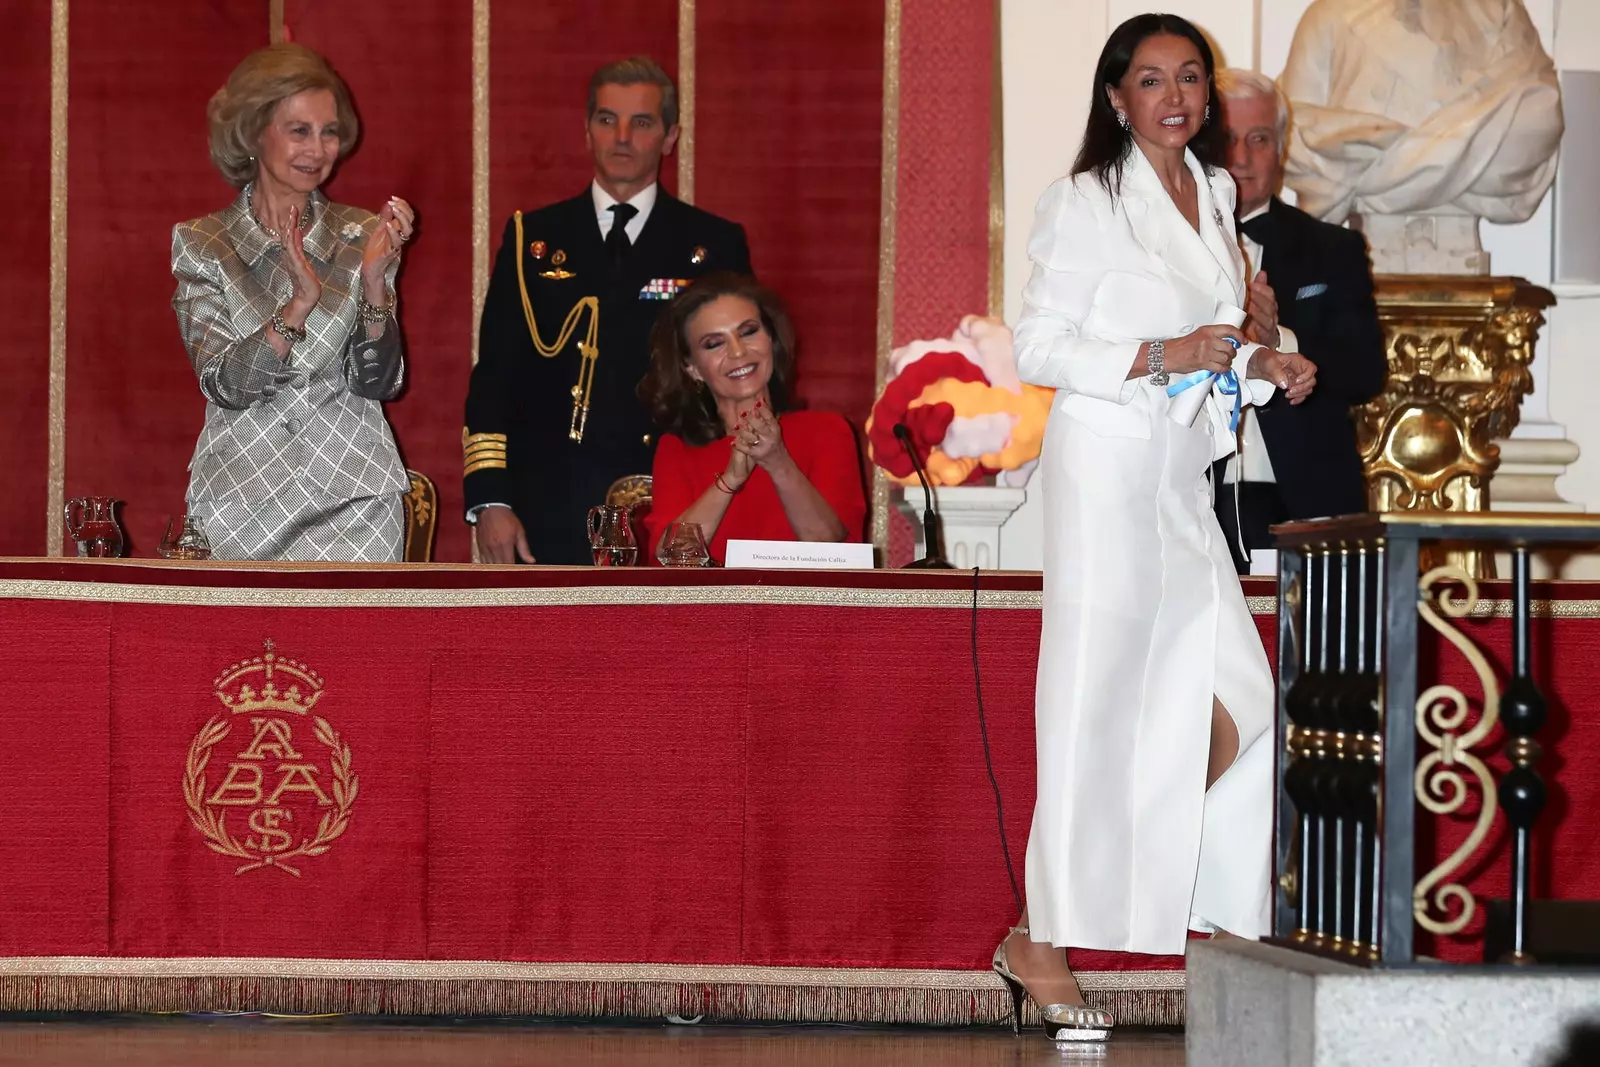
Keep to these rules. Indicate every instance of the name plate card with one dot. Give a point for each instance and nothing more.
(799, 555)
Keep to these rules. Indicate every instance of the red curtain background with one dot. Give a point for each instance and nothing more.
(140, 76)
(409, 67)
(788, 112)
(25, 278)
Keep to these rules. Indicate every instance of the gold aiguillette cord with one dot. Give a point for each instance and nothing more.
(588, 348)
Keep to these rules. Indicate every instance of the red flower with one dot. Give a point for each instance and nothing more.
(927, 430)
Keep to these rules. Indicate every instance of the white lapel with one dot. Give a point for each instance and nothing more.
(1209, 259)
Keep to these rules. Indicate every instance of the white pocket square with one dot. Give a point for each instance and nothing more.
(1308, 291)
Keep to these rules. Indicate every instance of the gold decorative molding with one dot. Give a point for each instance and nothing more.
(56, 473)
(1459, 349)
(686, 36)
(888, 202)
(1441, 787)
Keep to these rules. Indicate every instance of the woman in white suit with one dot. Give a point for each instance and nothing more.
(1154, 701)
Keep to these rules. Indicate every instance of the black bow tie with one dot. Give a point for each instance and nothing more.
(1260, 229)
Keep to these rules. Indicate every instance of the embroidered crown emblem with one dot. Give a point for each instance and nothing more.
(281, 787)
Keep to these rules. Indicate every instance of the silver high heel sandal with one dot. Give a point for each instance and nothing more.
(1065, 1024)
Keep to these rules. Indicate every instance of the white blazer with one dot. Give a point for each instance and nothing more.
(1112, 273)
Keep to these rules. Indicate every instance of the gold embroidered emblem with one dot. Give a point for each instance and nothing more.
(699, 254)
(557, 258)
(277, 782)
(536, 250)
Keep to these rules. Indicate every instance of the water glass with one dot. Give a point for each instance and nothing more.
(683, 545)
(184, 539)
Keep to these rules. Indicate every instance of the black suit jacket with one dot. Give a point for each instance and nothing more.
(519, 404)
(1323, 282)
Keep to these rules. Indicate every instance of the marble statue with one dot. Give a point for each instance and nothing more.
(1418, 118)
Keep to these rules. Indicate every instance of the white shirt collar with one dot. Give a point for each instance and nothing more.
(1262, 210)
(644, 200)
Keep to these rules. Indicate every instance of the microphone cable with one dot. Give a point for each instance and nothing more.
(988, 757)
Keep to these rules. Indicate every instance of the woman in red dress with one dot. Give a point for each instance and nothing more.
(732, 456)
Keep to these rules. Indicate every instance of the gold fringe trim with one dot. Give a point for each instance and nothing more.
(977, 999)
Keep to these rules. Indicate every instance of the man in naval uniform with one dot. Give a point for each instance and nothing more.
(552, 418)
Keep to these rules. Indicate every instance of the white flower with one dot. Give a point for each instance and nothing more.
(351, 231)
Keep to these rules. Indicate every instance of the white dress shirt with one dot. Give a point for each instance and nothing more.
(1251, 460)
(644, 200)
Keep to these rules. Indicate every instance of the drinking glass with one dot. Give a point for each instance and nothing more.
(184, 539)
(684, 545)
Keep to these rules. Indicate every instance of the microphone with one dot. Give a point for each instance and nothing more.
(933, 557)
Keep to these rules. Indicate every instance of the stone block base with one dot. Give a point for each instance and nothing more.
(1254, 1005)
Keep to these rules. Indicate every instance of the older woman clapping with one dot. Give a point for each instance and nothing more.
(286, 305)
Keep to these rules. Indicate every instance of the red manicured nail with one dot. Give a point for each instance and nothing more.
(758, 405)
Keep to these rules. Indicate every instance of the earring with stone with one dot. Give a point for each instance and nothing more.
(1122, 120)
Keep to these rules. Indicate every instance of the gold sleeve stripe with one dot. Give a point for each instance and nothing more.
(483, 465)
(477, 438)
(486, 448)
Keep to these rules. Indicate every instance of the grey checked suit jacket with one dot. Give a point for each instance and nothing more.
(316, 419)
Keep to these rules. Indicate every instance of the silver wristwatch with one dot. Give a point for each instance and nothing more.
(1156, 360)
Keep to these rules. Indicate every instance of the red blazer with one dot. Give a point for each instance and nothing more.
(823, 446)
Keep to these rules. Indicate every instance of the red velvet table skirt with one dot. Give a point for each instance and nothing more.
(560, 791)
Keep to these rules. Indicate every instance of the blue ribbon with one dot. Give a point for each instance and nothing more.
(1227, 383)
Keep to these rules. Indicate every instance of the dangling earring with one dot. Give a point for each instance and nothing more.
(1122, 120)
(1207, 117)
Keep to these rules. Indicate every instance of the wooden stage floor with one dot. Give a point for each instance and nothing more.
(180, 1041)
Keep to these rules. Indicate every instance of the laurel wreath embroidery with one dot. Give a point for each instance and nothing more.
(213, 825)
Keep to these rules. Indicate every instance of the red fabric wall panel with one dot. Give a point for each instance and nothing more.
(553, 824)
(942, 199)
(409, 67)
(53, 888)
(871, 824)
(171, 895)
(540, 58)
(140, 78)
(25, 279)
(789, 113)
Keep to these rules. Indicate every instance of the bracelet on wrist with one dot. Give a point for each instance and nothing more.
(372, 313)
(1156, 360)
(723, 485)
(293, 334)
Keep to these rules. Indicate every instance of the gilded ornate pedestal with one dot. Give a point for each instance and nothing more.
(1459, 347)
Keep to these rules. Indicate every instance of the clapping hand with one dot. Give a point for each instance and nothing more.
(307, 287)
(758, 437)
(1262, 309)
(396, 221)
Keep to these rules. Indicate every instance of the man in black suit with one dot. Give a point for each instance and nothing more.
(1311, 292)
(552, 419)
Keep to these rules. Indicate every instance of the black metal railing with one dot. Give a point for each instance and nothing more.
(1361, 752)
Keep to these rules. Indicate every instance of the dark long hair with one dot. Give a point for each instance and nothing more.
(679, 404)
(1106, 144)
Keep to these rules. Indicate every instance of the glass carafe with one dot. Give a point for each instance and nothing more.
(611, 539)
(92, 523)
